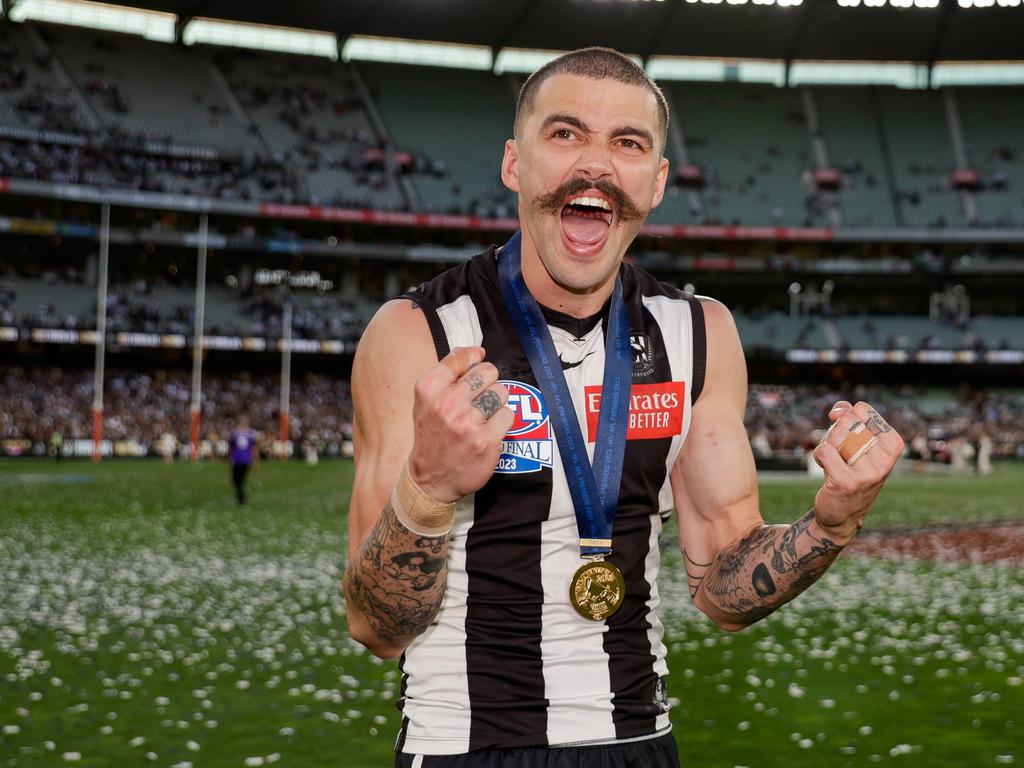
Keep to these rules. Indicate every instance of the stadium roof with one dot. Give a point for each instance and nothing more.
(812, 30)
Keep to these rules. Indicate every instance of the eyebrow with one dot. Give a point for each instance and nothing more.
(629, 130)
(575, 122)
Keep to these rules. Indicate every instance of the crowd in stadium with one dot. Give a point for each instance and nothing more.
(125, 163)
(145, 405)
(936, 427)
(133, 307)
(782, 421)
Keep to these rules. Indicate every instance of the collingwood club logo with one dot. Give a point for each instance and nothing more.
(643, 354)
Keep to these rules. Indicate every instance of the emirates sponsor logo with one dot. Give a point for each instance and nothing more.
(655, 410)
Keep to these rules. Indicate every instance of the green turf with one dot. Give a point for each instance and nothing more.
(146, 619)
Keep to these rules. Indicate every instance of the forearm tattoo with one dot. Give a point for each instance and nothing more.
(764, 570)
(694, 572)
(398, 578)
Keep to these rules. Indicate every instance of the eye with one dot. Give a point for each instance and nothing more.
(631, 144)
(563, 133)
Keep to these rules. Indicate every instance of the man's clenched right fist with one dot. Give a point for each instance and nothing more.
(460, 420)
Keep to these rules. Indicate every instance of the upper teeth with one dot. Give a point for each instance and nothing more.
(595, 202)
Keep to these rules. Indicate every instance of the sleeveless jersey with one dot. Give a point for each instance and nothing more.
(508, 662)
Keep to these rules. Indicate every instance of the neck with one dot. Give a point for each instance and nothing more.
(550, 294)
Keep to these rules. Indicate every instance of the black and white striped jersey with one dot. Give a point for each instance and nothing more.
(508, 662)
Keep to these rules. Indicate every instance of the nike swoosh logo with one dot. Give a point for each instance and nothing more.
(566, 366)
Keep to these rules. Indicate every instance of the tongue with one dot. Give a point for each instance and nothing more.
(584, 230)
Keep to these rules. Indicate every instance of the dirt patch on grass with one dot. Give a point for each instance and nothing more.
(989, 543)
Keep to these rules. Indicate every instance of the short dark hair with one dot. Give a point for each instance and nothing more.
(598, 64)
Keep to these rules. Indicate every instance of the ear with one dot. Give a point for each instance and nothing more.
(659, 183)
(510, 166)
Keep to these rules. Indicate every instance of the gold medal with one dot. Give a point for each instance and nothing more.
(597, 590)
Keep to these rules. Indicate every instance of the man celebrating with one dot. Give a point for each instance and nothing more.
(525, 422)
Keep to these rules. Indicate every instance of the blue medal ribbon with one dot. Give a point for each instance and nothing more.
(594, 489)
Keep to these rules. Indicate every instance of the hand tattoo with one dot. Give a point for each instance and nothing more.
(474, 381)
(487, 402)
(877, 424)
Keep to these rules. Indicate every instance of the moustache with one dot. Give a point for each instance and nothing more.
(624, 207)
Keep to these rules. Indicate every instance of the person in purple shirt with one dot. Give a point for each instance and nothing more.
(243, 454)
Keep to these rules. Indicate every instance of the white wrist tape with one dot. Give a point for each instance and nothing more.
(417, 511)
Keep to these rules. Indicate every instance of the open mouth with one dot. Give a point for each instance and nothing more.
(586, 221)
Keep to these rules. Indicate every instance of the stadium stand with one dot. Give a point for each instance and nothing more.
(750, 176)
(783, 419)
(311, 112)
(116, 75)
(849, 124)
(458, 118)
(143, 405)
(993, 120)
(35, 93)
(243, 125)
(149, 306)
(916, 137)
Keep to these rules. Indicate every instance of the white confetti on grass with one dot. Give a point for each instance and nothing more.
(884, 617)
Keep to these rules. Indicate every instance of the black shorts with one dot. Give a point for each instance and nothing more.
(659, 752)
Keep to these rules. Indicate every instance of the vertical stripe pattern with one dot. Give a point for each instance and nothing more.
(509, 663)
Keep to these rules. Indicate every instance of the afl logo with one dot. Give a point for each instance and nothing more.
(527, 446)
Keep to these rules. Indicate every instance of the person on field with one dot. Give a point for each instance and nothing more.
(524, 425)
(57, 445)
(244, 453)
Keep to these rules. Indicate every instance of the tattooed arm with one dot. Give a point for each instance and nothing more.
(394, 584)
(395, 579)
(442, 421)
(739, 569)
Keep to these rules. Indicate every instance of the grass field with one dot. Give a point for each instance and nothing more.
(147, 620)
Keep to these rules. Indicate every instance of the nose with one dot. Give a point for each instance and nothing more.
(594, 161)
